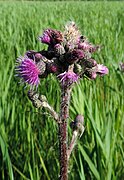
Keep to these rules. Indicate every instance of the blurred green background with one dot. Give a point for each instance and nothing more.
(29, 137)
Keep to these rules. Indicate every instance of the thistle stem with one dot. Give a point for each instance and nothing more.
(64, 114)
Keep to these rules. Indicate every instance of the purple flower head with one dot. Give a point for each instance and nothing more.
(51, 36)
(68, 77)
(45, 38)
(28, 71)
(101, 69)
(74, 56)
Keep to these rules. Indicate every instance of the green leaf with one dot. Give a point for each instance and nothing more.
(89, 162)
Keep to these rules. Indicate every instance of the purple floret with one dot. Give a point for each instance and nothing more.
(101, 69)
(45, 38)
(69, 76)
(28, 71)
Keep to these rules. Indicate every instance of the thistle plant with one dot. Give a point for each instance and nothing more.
(69, 58)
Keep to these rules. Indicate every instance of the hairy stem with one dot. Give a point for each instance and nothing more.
(64, 114)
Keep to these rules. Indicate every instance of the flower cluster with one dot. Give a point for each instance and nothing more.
(65, 49)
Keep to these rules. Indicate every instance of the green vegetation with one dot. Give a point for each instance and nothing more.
(28, 137)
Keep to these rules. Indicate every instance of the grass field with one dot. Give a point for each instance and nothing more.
(28, 137)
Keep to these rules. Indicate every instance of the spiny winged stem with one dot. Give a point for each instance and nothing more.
(66, 88)
(64, 114)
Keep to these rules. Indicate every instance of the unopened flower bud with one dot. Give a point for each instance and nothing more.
(56, 36)
(90, 74)
(42, 98)
(89, 63)
(78, 124)
(77, 68)
(42, 67)
(38, 56)
(59, 50)
(52, 67)
(62, 58)
(79, 120)
(37, 100)
(51, 36)
(74, 56)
